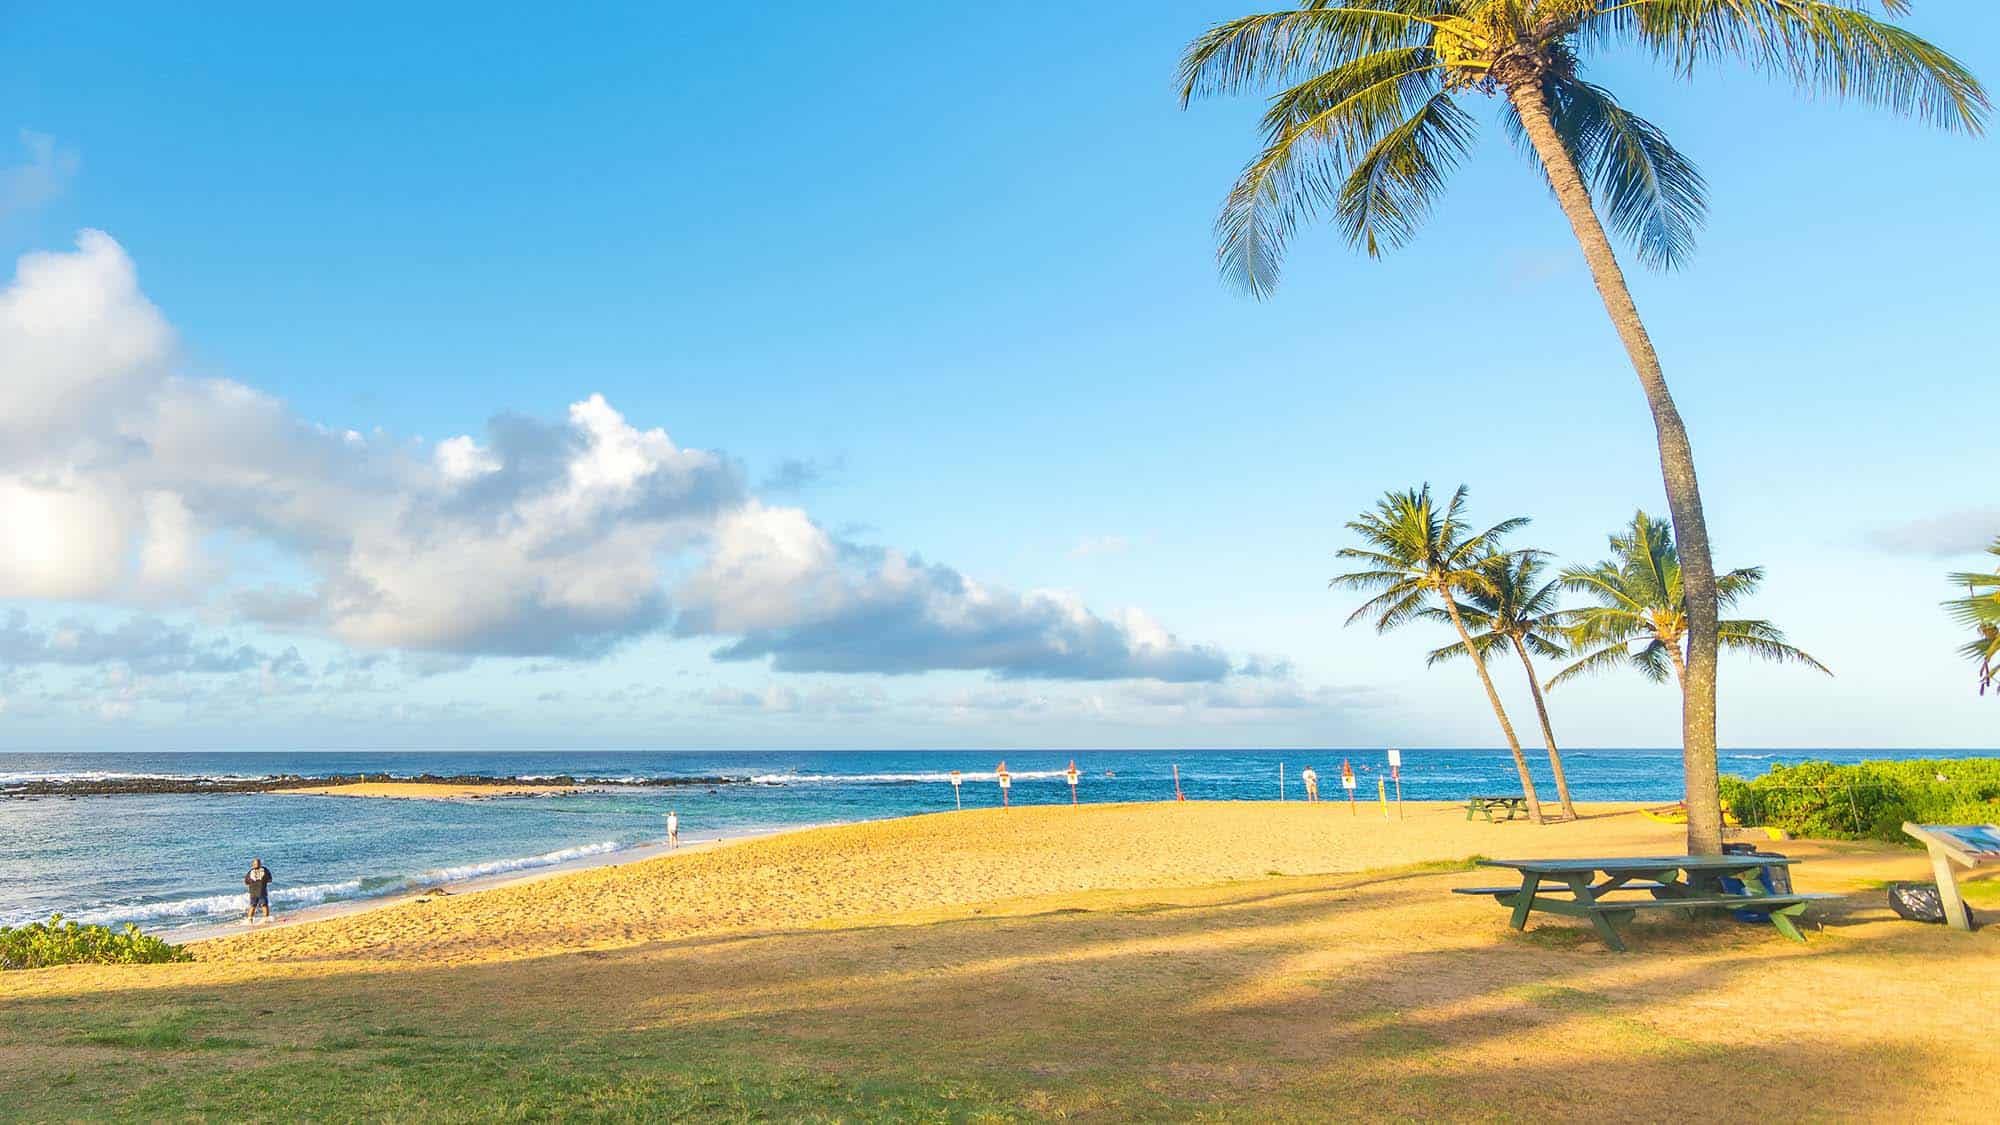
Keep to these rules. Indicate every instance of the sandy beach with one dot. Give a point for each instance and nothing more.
(944, 862)
(1235, 960)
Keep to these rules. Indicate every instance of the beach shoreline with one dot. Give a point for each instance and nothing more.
(344, 908)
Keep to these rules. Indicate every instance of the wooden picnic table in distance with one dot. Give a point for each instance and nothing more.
(1969, 845)
(1484, 806)
(1629, 884)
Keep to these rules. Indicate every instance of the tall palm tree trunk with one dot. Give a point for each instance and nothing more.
(1493, 697)
(1548, 732)
(1704, 798)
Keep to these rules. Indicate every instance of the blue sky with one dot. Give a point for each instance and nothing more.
(933, 288)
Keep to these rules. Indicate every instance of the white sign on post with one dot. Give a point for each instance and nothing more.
(1396, 758)
(957, 795)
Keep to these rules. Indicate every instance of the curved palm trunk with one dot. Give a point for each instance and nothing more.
(1493, 697)
(1548, 733)
(1704, 799)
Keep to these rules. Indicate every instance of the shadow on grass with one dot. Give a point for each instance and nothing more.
(1236, 1004)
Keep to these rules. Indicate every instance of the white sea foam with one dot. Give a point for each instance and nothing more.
(178, 911)
(216, 904)
(18, 777)
(502, 866)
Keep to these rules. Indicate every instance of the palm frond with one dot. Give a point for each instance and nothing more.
(1737, 585)
(1835, 49)
(1601, 660)
(1652, 661)
(1392, 187)
(1652, 194)
(1604, 582)
(1485, 644)
(1316, 132)
(1255, 51)
(1762, 639)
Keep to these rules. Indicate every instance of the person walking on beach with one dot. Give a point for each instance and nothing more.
(1311, 779)
(674, 829)
(258, 880)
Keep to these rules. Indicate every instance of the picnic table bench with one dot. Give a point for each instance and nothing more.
(1484, 806)
(1969, 845)
(1692, 883)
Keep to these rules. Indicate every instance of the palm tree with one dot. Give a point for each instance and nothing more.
(1416, 553)
(1641, 618)
(1515, 613)
(1981, 611)
(1368, 125)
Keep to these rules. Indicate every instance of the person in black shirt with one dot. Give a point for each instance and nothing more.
(259, 882)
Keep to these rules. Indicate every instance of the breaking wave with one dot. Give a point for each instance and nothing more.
(189, 910)
(17, 777)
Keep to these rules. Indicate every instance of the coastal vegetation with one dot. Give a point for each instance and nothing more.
(1641, 618)
(1979, 610)
(1368, 125)
(38, 945)
(1868, 800)
(1420, 558)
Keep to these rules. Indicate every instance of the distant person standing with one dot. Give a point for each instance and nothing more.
(1311, 779)
(258, 881)
(674, 829)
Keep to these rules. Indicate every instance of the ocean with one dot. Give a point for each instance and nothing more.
(171, 861)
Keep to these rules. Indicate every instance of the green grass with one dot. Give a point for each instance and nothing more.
(1209, 1005)
(171, 1030)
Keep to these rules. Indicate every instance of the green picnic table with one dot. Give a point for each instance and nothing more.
(1484, 806)
(1610, 891)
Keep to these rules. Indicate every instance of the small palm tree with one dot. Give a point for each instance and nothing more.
(1641, 618)
(1981, 612)
(1369, 124)
(1416, 554)
(1515, 613)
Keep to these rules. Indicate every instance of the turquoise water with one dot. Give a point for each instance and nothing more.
(177, 860)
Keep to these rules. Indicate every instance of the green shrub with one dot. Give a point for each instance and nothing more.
(56, 942)
(1868, 800)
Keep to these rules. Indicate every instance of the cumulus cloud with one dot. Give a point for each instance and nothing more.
(810, 602)
(42, 177)
(117, 475)
(1954, 533)
(123, 481)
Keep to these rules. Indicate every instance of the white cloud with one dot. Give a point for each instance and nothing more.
(66, 539)
(123, 482)
(46, 173)
(813, 603)
(76, 338)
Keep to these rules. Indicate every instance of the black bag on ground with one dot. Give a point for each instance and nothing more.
(1919, 902)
